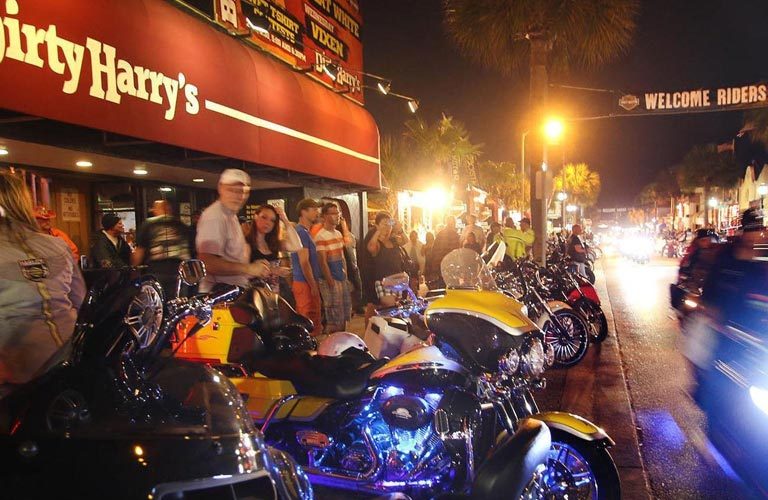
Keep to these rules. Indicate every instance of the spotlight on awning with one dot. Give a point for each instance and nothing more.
(384, 87)
(332, 70)
(413, 105)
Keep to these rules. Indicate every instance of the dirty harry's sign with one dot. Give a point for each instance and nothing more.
(724, 98)
(304, 33)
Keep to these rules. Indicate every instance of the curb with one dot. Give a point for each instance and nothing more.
(597, 389)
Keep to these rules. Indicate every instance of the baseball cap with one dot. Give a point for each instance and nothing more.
(306, 203)
(43, 213)
(108, 221)
(235, 176)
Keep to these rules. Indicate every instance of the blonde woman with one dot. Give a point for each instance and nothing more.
(41, 289)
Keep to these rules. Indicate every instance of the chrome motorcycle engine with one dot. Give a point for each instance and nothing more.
(389, 442)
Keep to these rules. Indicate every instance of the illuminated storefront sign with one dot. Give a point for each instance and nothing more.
(303, 33)
(148, 70)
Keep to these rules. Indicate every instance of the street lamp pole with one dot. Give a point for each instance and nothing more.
(522, 153)
(543, 242)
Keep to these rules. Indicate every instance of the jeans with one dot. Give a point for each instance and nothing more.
(580, 268)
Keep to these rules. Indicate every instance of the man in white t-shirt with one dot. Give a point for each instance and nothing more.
(334, 288)
(220, 241)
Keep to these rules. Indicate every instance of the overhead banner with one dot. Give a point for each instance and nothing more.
(304, 33)
(723, 98)
(149, 70)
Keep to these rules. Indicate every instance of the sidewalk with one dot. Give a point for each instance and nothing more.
(596, 389)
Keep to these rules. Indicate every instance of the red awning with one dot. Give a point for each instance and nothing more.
(164, 75)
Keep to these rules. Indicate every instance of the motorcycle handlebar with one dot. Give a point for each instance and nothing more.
(230, 293)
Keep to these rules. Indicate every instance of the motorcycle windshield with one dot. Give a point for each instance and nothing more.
(464, 269)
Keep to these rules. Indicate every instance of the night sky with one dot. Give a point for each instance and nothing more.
(678, 45)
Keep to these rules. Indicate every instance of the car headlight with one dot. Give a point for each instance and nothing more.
(534, 358)
(509, 362)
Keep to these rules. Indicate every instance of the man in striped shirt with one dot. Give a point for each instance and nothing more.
(334, 288)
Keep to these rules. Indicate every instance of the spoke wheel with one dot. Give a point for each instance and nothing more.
(570, 342)
(145, 314)
(580, 470)
(598, 324)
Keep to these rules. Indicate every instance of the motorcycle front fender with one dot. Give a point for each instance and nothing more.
(576, 426)
(557, 305)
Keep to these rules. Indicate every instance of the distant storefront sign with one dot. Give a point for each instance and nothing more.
(746, 96)
(303, 33)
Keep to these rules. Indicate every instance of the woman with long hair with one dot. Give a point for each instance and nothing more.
(41, 289)
(267, 241)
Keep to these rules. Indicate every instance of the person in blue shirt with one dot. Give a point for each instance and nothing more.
(306, 267)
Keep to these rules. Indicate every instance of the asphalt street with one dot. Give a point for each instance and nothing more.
(679, 461)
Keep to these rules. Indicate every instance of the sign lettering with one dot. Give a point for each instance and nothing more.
(325, 39)
(746, 96)
(112, 78)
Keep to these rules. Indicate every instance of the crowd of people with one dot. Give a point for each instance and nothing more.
(315, 263)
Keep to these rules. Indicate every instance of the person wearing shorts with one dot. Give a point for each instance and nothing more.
(306, 268)
(334, 288)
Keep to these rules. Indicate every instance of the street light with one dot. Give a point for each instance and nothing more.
(553, 129)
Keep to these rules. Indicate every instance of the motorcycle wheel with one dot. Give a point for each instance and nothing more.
(569, 346)
(595, 316)
(144, 315)
(578, 469)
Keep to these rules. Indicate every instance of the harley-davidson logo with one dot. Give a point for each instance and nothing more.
(34, 269)
(629, 102)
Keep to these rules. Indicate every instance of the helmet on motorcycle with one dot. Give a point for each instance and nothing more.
(337, 343)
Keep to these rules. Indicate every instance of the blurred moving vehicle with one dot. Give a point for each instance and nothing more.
(726, 341)
(113, 418)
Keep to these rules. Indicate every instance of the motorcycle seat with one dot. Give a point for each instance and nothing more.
(266, 312)
(338, 377)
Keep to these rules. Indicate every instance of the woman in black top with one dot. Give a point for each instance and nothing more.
(383, 258)
(266, 241)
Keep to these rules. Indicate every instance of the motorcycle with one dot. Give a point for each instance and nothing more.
(579, 293)
(565, 330)
(422, 423)
(113, 418)
(724, 339)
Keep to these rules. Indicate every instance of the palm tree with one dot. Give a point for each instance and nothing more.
(445, 144)
(502, 181)
(704, 167)
(756, 121)
(580, 182)
(505, 34)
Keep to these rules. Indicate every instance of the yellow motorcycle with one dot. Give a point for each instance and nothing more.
(424, 422)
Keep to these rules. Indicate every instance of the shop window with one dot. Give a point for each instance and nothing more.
(118, 198)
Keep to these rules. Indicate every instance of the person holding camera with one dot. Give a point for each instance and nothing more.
(382, 257)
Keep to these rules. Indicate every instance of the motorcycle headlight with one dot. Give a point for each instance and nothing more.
(509, 362)
(534, 359)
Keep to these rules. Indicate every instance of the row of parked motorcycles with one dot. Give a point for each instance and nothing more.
(226, 395)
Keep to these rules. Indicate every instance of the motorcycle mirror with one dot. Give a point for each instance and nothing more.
(396, 282)
(192, 271)
(498, 254)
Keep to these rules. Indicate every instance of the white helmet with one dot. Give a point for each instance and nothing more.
(338, 342)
